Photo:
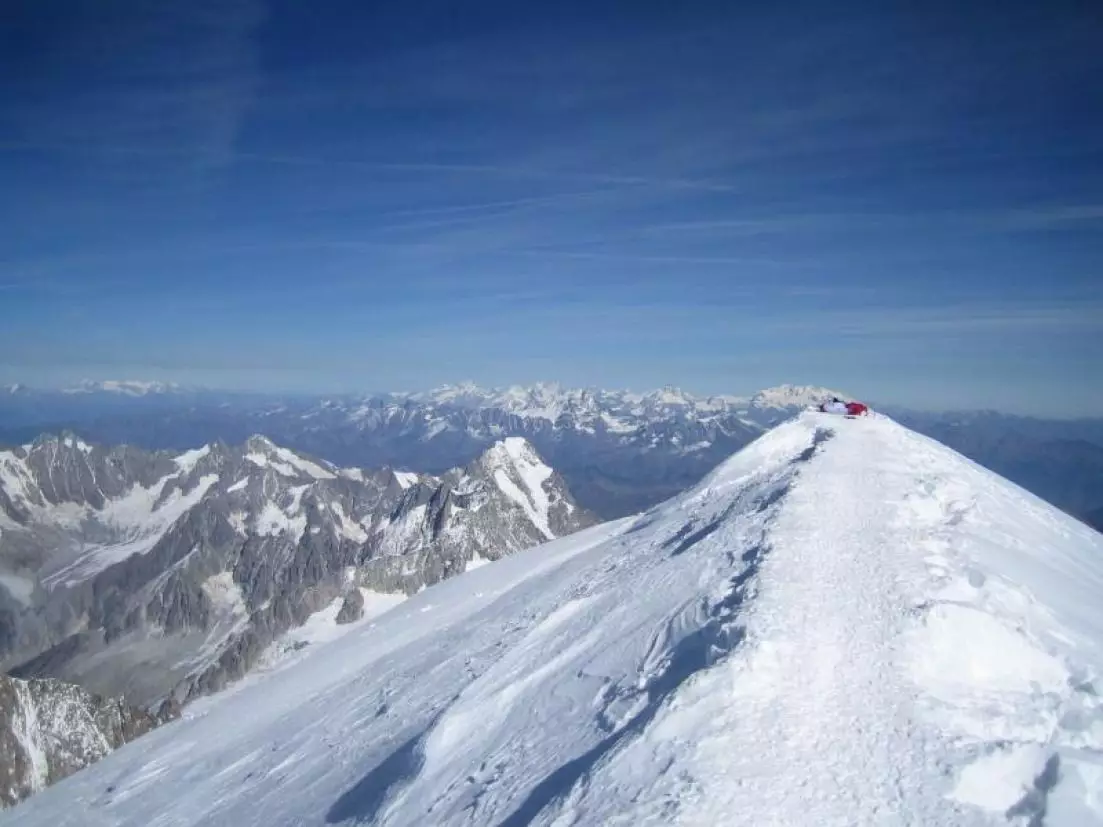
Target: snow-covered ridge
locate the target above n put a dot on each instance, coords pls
(845, 623)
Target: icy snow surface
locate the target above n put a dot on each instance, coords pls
(844, 624)
(320, 627)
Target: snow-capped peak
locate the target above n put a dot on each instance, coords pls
(670, 395)
(520, 474)
(461, 393)
(259, 442)
(512, 451)
(58, 445)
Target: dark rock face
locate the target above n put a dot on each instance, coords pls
(352, 609)
(50, 729)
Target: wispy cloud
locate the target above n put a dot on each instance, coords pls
(157, 77)
(966, 319)
(1050, 217)
(977, 220)
(228, 128)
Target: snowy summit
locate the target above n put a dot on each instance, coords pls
(845, 623)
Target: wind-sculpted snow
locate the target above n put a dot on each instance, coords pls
(844, 624)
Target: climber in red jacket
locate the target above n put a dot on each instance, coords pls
(837, 406)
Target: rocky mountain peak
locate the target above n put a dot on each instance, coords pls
(199, 560)
(510, 451)
(520, 478)
(670, 395)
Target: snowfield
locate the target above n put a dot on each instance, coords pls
(844, 624)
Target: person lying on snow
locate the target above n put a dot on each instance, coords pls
(837, 406)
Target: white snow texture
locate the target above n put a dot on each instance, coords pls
(844, 624)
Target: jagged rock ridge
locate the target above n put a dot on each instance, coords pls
(157, 574)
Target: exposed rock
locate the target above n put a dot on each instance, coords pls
(50, 729)
(159, 575)
(352, 609)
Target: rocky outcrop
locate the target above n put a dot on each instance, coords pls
(50, 729)
(168, 575)
(352, 609)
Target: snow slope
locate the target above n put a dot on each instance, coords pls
(846, 623)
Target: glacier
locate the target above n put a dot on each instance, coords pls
(845, 623)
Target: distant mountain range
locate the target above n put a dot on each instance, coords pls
(162, 574)
(619, 452)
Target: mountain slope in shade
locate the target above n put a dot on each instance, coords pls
(845, 623)
(50, 729)
(146, 574)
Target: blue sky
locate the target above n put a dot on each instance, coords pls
(906, 202)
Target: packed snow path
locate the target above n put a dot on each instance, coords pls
(815, 715)
(845, 623)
